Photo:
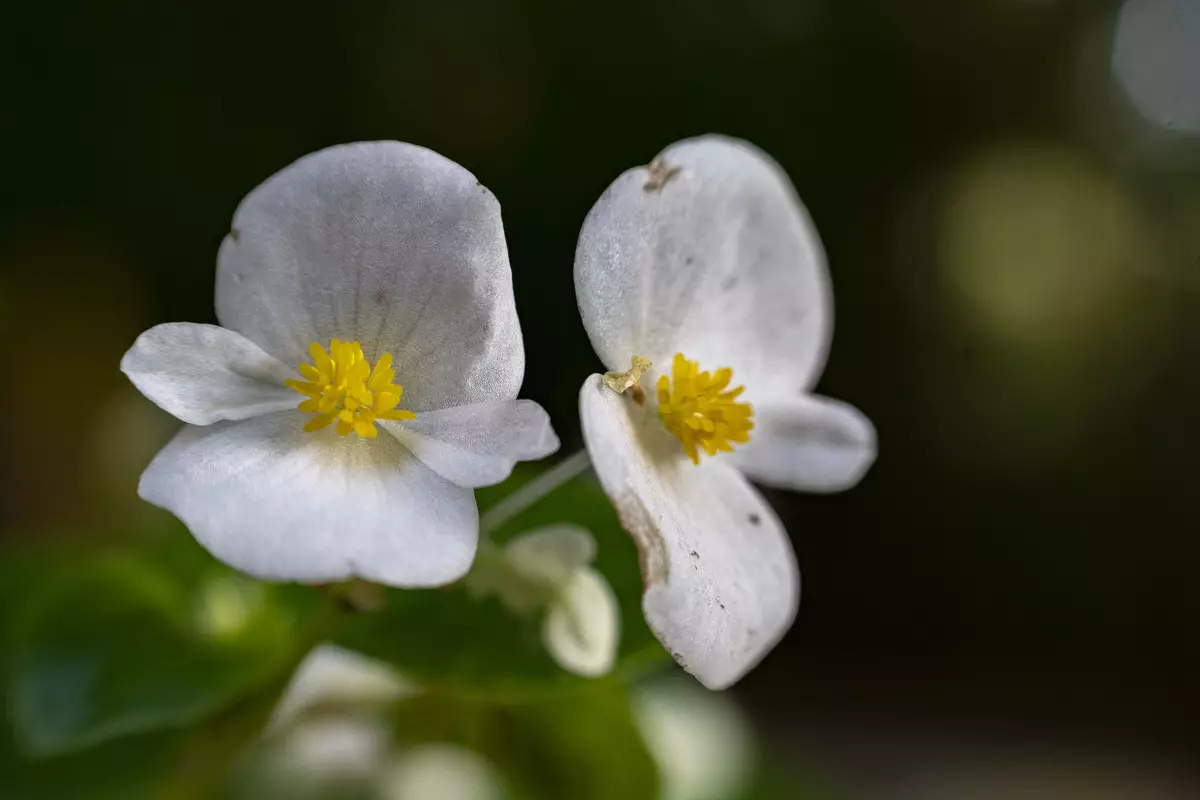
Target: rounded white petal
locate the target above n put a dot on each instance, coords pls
(722, 585)
(278, 503)
(441, 771)
(478, 445)
(814, 444)
(331, 748)
(702, 742)
(1156, 60)
(331, 674)
(388, 244)
(583, 625)
(550, 556)
(709, 253)
(203, 373)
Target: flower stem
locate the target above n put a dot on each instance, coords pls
(529, 494)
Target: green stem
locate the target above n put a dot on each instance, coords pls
(529, 494)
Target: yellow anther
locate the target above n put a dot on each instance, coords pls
(342, 387)
(700, 409)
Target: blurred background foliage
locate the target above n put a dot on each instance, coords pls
(1009, 194)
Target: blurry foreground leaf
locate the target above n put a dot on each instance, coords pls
(125, 642)
(448, 639)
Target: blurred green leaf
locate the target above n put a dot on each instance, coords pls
(129, 641)
(128, 768)
(447, 638)
(583, 746)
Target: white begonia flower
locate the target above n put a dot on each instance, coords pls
(548, 569)
(394, 258)
(706, 260)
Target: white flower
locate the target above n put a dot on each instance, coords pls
(706, 265)
(548, 570)
(394, 258)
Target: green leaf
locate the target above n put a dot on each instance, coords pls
(128, 642)
(446, 638)
(130, 768)
(584, 746)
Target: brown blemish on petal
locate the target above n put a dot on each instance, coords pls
(659, 174)
(235, 235)
(652, 555)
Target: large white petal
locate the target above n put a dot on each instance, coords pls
(814, 444)
(583, 625)
(711, 254)
(278, 503)
(388, 244)
(478, 445)
(203, 374)
(722, 585)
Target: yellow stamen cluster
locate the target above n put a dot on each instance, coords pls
(343, 386)
(697, 407)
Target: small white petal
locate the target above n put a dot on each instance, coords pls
(550, 556)
(331, 748)
(716, 258)
(814, 444)
(331, 674)
(388, 244)
(583, 625)
(278, 503)
(203, 374)
(478, 445)
(702, 742)
(440, 771)
(722, 585)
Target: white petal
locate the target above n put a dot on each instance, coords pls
(813, 443)
(331, 674)
(441, 771)
(550, 556)
(278, 503)
(702, 741)
(203, 374)
(718, 260)
(583, 625)
(388, 244)
(478, 445)
(722, 585)
(330, 748)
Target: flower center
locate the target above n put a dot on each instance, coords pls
(701, 411)
(343, 386)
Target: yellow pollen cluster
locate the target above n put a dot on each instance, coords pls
(343, 386)
(697, 407)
